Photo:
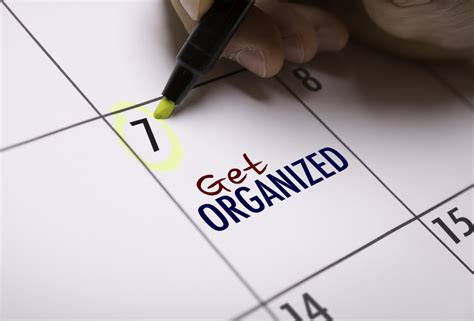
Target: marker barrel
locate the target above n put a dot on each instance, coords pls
(205, 45)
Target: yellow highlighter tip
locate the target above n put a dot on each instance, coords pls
(164, 109)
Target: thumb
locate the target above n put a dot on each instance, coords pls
(196, 8)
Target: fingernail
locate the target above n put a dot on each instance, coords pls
(191, 7)
(410, 3)
(293, 48)
(253, 60)
(330, 40)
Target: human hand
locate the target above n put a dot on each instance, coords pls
(276, 31)
(420, 29)
(272, 32)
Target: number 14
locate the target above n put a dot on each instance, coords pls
(313, 309)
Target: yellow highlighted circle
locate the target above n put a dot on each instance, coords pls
(175, 157)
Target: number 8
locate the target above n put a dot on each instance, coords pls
(309, 82)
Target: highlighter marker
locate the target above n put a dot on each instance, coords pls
(202, 50)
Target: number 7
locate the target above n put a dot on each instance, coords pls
(149, 132)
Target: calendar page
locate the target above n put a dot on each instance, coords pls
(341, 189)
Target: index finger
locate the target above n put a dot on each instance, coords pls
(191, 11)
(196, 8)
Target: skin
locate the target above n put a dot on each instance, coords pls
(275, 31)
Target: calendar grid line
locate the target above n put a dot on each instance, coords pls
(155, 178)
(33, 139)
(448, 86)
(446, 246)
(343, 143)
(371, 172)
(354, 252)
(207, 82)
(42, 136)
(71, 82)
(194, 224)
(262, 303)
(153, 100)
(149, 101)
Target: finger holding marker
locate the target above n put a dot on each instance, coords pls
(272, 32)
(257, 45)
(200, 52)
(191, 11)
(420, 29)
(259, 37)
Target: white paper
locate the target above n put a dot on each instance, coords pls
(94, 230)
